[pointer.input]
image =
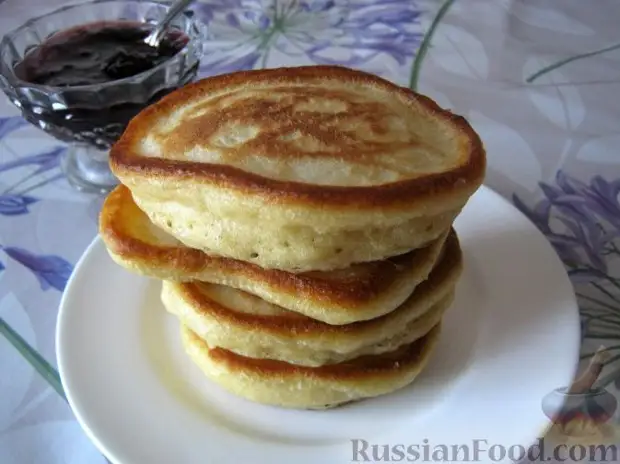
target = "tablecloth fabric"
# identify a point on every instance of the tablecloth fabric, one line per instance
(538, 79)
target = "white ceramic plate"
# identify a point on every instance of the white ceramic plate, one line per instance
(511, 337)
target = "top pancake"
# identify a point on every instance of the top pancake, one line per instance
(318, 151)
(315, 126)
(294, 131)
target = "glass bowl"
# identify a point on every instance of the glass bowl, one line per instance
(92, 117)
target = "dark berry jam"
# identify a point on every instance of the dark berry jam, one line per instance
(96, 54)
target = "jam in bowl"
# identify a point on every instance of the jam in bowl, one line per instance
(82, 72)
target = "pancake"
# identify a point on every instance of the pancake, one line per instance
(248, 326)
(287, 385)
(288, 337)
(299, 169)
(360, 292)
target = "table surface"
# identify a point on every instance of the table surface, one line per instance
(539, 80)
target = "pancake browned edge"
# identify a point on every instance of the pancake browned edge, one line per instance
(298, 169)
(246, 325)
(361, 292)
(287, 385)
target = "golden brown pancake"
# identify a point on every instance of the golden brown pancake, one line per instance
(295, 340)
(360, 292)
(301, 387)
(298, 169)
(249, 326)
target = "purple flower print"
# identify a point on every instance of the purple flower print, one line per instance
(602, 198)
(207, 9)
(582, 222)
(9, 124)
(51, 271)
(370, 28)
(16, 203)
(243, 33)
(44, 161)
(13, 205)
(539, 215)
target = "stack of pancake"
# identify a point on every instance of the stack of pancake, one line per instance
(301, 222)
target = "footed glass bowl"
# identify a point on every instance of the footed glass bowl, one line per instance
(92, 117)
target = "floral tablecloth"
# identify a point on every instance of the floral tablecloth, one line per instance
(539, 80)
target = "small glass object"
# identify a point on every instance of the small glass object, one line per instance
(92, 116)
